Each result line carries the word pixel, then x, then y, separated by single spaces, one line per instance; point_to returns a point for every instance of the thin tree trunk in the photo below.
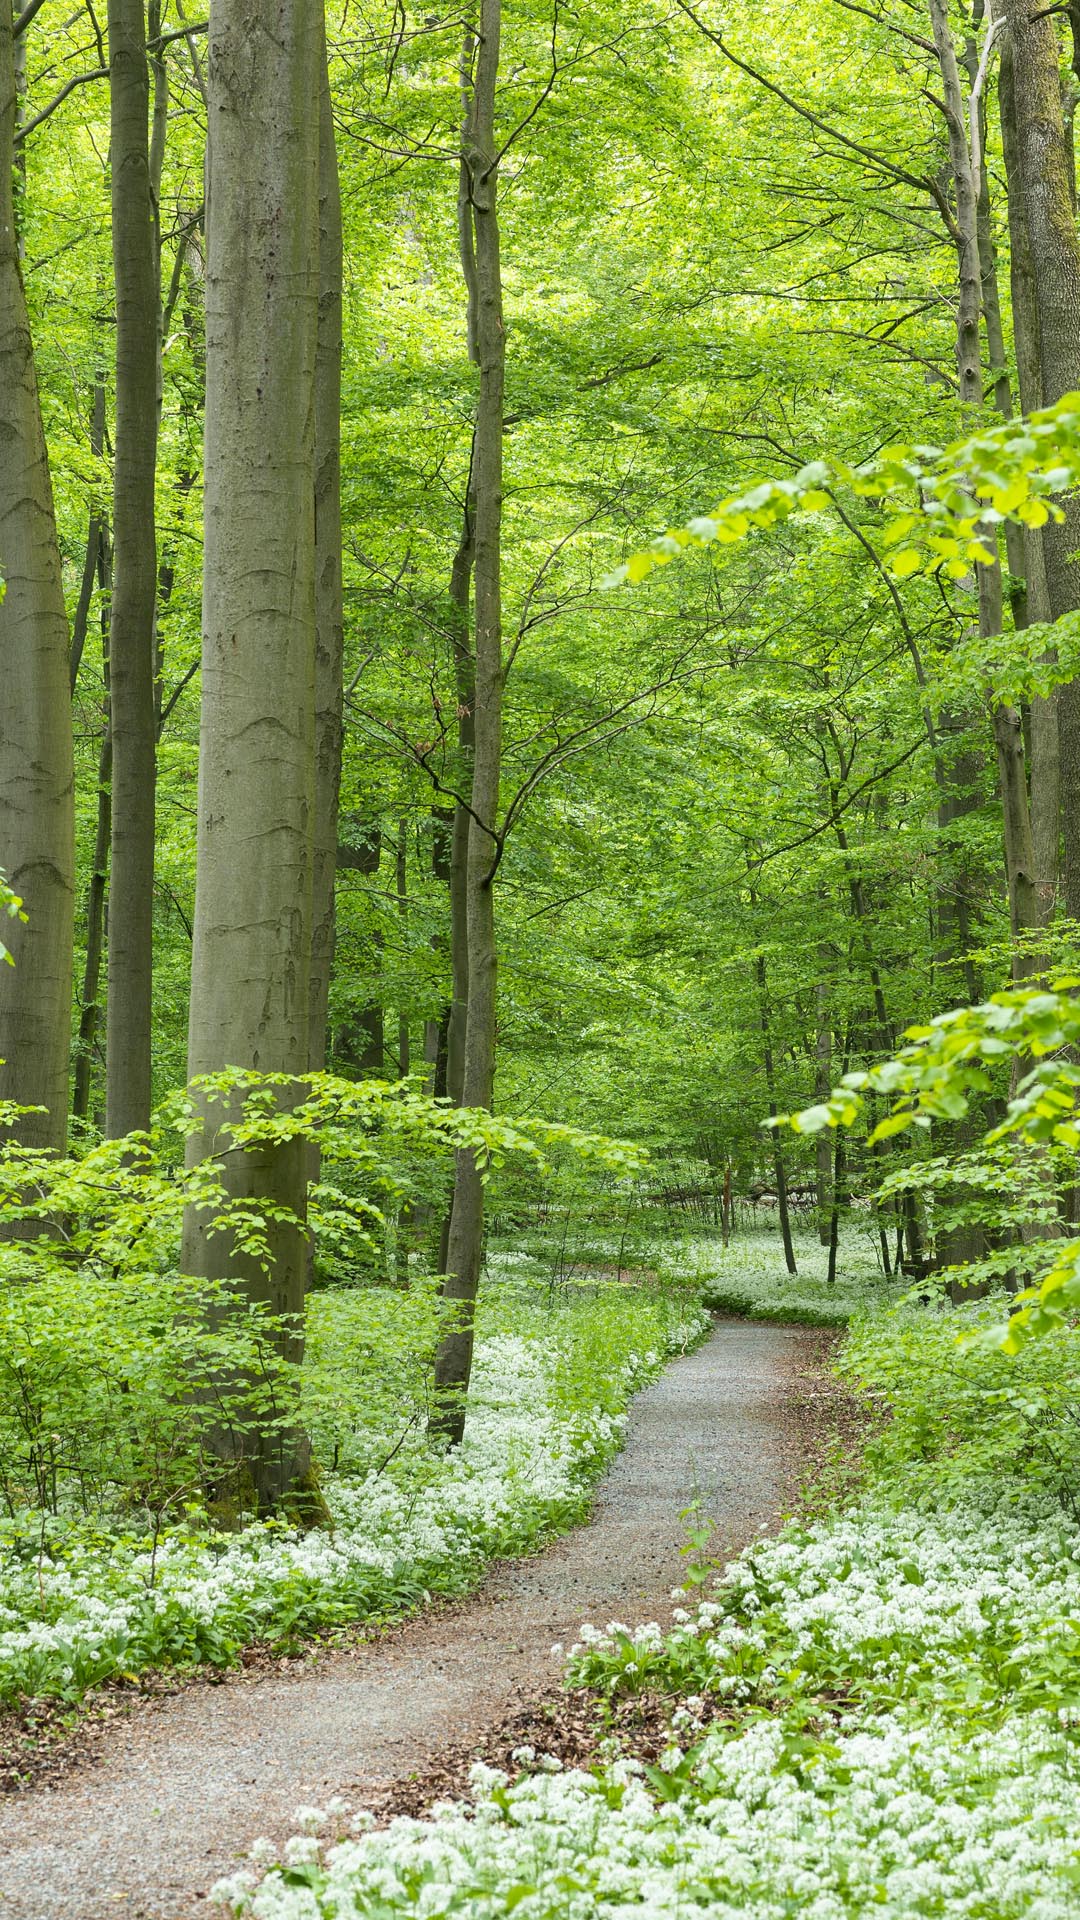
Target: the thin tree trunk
pixel 37 831
pixel 250 1000
pixel 822 1085
pixel 329 619
pixel 837 1202
pixel 779 1170
pixel 90 1010
pixel 437 1030
pixel 402 891
pixel 480 251
pixel 134 597
pixel 969 307
pixel 465 687
pixel 96 532
pixel 97 890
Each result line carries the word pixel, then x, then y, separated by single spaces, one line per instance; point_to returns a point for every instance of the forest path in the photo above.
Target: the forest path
pixel 186 1783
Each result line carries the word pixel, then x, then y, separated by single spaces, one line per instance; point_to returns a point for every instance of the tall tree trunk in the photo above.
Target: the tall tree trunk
pixel 1045 768
pixel 958 767
pixel 90 1010
pixel 359 1041
pixel 966 235
pixel 838 1198
pixel 401 886
pixel 779 1170
pixel 134 597
pixel 822 1085
pixel 328 590
pixel 250 1002
pixel 97 890
pixel 465 688
pixel 437 1029
pixel 480 254
pixel 37 830
pixel 1042 166
pixel 978 293
pixel 96 533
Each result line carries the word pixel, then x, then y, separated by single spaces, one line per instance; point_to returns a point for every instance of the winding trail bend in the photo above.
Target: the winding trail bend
pixel 186 1783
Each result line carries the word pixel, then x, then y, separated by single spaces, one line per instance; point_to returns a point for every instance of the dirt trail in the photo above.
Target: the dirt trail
pixel 187 1783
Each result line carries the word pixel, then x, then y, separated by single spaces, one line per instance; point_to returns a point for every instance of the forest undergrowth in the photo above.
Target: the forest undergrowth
pixel 749 1277
pixel 89 1597
pixel 874 1712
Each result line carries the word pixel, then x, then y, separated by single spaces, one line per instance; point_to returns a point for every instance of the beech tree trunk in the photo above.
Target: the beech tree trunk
pixel 37 831
pixel 134 595
pixel 487 342
pixel 1042 165
pixel 978 294
pixel 1045 765
pixel 250 997
pixel 328 591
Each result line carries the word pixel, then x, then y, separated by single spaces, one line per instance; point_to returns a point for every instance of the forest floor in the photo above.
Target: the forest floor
pixel 172 1793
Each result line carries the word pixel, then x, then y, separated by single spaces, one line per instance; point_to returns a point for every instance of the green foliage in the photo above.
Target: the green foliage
pixel 1010 471
pixel 116 1373
pixel 944 1067
pixel 961 1412
pixel 109 1575
pixel 10 906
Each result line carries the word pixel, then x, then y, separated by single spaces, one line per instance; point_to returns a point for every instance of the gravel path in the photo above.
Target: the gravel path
pixel 186 1783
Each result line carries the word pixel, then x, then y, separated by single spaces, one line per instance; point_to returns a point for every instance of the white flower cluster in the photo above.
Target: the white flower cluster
pixel 898 1822
pixel 750 1276
pixel 979 1599
pixel 110 1606
pixel 947 1788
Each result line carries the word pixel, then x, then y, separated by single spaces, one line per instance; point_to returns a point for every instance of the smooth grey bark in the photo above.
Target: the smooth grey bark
pixel 37 832
pixel 250 1001
pixel 134 594
pixel 978 298
pixel 1042 165
pixel 329 618
pixel 1045 762
pixel 487 341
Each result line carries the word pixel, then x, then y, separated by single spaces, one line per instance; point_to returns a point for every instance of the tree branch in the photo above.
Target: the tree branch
pixel 805 113
pixel 22 20
pixel 80 80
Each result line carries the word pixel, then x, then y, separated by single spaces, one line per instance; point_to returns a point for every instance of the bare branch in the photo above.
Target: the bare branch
pixel 80 80
pixel 23 19
pixel 806 113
